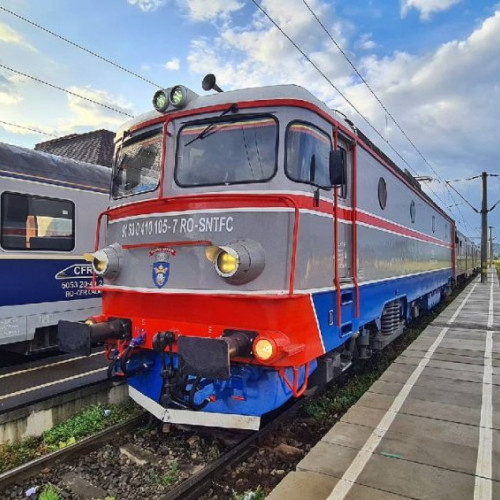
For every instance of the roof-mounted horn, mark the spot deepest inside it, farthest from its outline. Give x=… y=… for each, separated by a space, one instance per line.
x=209 y=83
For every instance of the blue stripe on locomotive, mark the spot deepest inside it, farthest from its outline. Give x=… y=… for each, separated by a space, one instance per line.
x=33 y=281
x=251 y=390
x=372 y=298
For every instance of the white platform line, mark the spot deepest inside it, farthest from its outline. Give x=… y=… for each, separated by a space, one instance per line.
x=22 y=372
x=490 y=309
x=352 y=473
x=461 y=306
x=482 y=483
x=48 y=384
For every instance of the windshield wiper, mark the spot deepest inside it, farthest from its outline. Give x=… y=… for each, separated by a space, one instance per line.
x=208 y=130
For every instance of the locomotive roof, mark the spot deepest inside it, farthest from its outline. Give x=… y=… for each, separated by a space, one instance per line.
x=240 y=95
x=44 y=167
x=270 y=92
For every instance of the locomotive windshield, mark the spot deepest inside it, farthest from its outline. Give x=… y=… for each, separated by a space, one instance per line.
x=227 y=152
x=137 y=168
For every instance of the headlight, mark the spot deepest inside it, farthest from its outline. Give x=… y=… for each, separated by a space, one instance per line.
x=227 y=263
x=106 y=262
x=237 y=262
x=178 y=96
x=264 y=349
x=100 y=263
x=160 y=101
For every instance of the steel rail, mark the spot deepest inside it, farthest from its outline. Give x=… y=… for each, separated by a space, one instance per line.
x=198 y=483
x=82 y=447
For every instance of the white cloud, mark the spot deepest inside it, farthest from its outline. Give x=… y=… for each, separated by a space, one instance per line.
x=173 y=64
x=8 y=91
x=366 y=43
x=9 y=35
x=207 y=10
x=91 y=115
x=426 y=7
x=147 y=5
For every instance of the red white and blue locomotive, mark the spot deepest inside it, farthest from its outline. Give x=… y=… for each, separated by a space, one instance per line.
x=256 y=242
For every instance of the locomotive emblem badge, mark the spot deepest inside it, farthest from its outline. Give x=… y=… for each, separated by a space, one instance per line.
x=161 y=266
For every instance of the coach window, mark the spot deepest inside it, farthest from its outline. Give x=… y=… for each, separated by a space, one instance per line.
x=413 y=211
x=382 y=193
x=37 y=223
x=137 y=168
x=308 y=154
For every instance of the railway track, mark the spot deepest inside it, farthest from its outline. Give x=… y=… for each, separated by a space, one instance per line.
x=191 y=488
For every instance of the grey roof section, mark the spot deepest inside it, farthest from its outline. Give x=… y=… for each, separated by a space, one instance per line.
x=240 y=95
x=92 y=147
x=52 y=169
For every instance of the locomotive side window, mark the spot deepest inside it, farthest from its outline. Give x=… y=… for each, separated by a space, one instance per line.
x=413 y=211
x=433 y=223
x=308 y=154
x=37 y=223
x=382 y=193
x=227 y=152
x=137 y=168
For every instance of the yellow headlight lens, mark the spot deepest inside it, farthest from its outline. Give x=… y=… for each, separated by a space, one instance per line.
x=226 y=263
x=100 y=265
x=263 y=349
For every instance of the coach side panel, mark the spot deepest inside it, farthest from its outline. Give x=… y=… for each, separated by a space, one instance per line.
x=42 y=285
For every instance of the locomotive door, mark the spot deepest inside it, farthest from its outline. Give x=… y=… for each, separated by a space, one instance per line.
x=345 y=255
x=343 y=197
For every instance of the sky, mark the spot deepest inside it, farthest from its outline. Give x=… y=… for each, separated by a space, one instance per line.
x=434 y=64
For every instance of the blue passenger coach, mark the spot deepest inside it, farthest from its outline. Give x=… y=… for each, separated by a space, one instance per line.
x=48 y=211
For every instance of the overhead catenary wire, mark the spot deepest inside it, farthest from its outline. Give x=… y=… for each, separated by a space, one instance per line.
x=463 y=198
x=27 y=128
x=111 y=108
x=388 y=113
x=315 y=66
x=78 y=46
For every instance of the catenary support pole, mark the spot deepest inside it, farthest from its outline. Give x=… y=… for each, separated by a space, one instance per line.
x=484 y=229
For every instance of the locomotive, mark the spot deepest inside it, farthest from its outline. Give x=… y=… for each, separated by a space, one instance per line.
x=255 y=244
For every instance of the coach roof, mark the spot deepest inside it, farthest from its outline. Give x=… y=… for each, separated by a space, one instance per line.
x=43 y=167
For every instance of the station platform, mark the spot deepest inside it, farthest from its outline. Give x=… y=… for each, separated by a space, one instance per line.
x=429 y=427
x=33 y=382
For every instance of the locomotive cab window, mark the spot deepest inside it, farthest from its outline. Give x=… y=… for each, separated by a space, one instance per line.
x=308 y=154
x=137 y=168
x=37 y=223
x=225 y=152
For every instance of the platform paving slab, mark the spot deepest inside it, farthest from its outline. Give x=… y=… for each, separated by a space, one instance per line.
x=430 y=442
x=307 y=485
x=401 y=477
